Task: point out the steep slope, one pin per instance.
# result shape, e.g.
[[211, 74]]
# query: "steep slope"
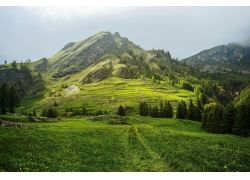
[[75, 57], [233, 56], [21, 80]]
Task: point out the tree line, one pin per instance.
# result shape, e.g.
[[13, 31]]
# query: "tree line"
[[163, 111], [9, 98], [227, 120]]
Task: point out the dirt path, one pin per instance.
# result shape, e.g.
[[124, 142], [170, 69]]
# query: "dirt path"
[[141, 157]]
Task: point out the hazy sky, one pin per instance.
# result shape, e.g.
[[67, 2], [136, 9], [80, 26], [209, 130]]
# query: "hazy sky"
[[36, 32]]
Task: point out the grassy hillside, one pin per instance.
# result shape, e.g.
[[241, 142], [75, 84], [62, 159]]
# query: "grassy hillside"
[[105, 95], [149, 145]]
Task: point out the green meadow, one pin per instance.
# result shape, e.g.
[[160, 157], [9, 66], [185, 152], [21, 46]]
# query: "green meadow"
[[145, 145], [105, 95]]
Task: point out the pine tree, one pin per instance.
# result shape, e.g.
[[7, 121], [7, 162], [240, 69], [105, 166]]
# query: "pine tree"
[[190, 113], [181, 112], [242, 120], [55, 104], [44, 113], [170, 110], [161, 110], [14, 64], [165, 112], [198, 111], [121, 111], [229, 117], [154, 112], [4, 98], [14, 99]]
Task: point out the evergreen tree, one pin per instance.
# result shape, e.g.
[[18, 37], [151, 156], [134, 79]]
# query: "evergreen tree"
[[181, 112], [55, 104], [165, 112], [170, 110], [229, 117], [14, 64], [44, 113], [214, 118], [198, 111], [121, 111], [154, 112], [51, 113], [161, 110], [5, 62], [4, 98], [14, 99], [242, 120], [143, 109], [190, 113]]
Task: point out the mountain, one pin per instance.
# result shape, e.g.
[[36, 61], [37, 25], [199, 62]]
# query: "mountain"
[[107, 70], [100, 56], [76, 56], [233, 56]]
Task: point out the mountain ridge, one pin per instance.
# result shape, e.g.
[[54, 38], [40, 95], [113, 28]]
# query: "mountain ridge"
[[233, 56]]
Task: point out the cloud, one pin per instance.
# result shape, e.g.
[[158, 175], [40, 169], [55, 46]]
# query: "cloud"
[[67, 13]]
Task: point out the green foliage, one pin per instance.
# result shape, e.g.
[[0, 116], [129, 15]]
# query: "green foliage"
[[55, 103], [34, 113], [167, 110], [9, 98], [198, 110], [4, 97], [229, 117], [121, 111], [191, 110], [143, 109], [51, 113], [213, 118], [242, 120], [186, 85], [14, 64], [14, 99], [181, 112]]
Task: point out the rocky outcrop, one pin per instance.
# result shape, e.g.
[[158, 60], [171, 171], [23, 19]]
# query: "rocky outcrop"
[[97, 76], [230, 54], [43, 65], [68, 45], [75, 57], [125, 73], [21, 80], [12, 124]]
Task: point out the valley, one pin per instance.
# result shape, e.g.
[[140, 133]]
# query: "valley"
[[176, 116]]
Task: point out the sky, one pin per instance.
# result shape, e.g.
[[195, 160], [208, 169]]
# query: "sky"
[[34, 32]]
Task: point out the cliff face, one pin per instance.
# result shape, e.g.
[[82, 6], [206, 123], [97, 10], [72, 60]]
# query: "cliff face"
[[236, 54], [76, 56], [21, 80]]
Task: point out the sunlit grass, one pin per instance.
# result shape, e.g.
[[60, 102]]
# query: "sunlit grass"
[[77, 144]]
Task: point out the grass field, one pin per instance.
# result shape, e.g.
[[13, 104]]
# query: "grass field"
[[105, 95], [153, 145]]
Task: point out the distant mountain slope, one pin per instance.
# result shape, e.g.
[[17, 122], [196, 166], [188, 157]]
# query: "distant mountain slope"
[[104, 55], [77, 56], [234, 56]]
